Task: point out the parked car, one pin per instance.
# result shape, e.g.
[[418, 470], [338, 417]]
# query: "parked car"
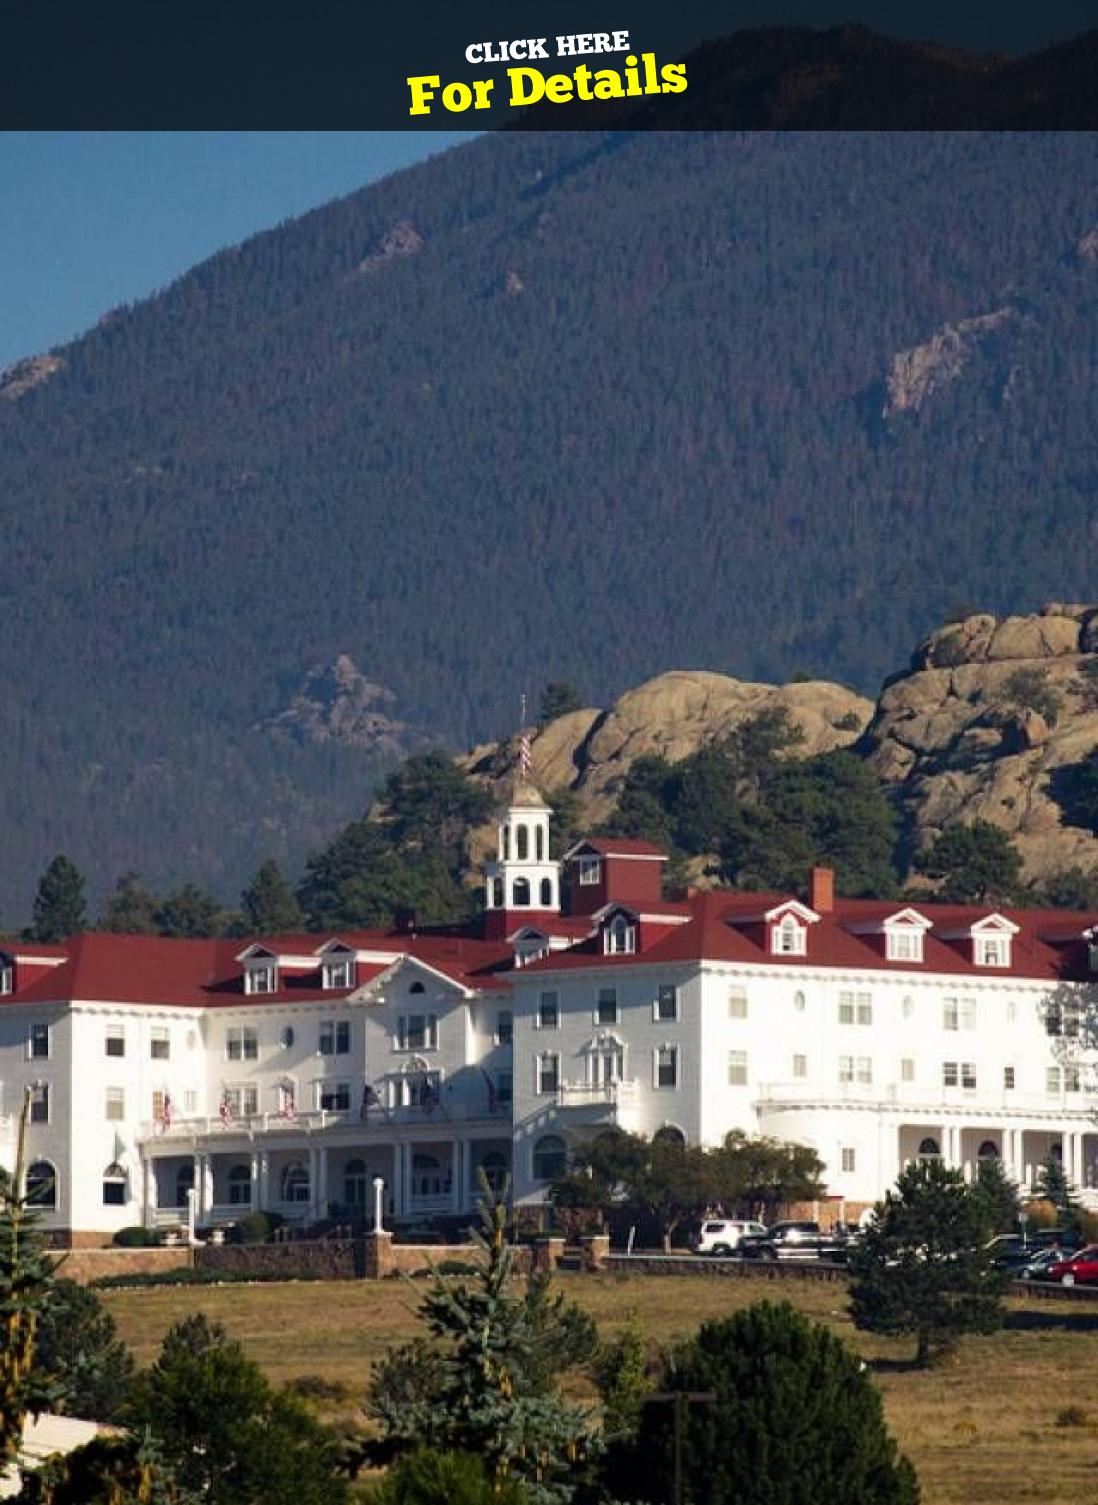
[[795, 1240], [1036, 1266], [1079, 1268], [722, 1236]]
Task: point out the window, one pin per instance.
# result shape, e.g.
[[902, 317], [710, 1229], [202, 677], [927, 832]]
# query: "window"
[[798, 1003], [545, 895], [261, 977], [958, 1013], [416, 1032], [295, 1183], [606, 1006], [520, 893], [589, 870], [846, 1068], [115, 1186], [1072, 1078], [737, 1004], [354, 1183], [605, 1063], [1052, 1079], [420, 1089], [1063, 1019], [847, 1159], [115, 1040], [242, 1043], [855, 1008], [907, 1008], [620, 936], [667, 1003], [505, 1091], [907, 1069], [334, 1097], [856, 1069], [339, 974], [904, 945], [116, 1104], [968, 1075], [522, 843], [992, 951], [240, 1186], [160, 1043], [241, 1101], [40, 1103], [800, 1066], [988, 1150], [950, 1076], [39, 1042], [429, 1179], [548, 1011], [550, 1158], [737, 1068], [160, 1101], [7, 976], [666, 1072], [335, 1037], [929, 1149], [505, 1027], [286, 1036], [184, 1183], [548, 1072], [788, 937], [494, 1167], [41, 1187], [539, 842]]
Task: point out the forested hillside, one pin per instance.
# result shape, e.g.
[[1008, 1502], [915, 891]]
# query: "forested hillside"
[[586, 406]]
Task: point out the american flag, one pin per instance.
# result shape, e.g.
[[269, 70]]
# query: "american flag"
[[224, 1111], [289, 1107], [493, 1095], [166, 1111], [524, 756], [370, 1100], [430, 1096]]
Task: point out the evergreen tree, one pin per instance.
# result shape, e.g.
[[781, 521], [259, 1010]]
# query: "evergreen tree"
[[127, 1469], [757, 1177], [428, 803], [26, 1283], [486, 1390], [269, 905], [1052, 1185], [190, 914], [225, 1433], [922, 1267], [559, 698], [621, 1373], [78, 1347], [1000, 1194], [130, 908], [429, 1477], [976, 864], [362, 879], [60, 907], [794, 1417]]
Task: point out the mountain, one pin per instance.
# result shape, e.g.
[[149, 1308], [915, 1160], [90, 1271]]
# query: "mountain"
[[546, 406]]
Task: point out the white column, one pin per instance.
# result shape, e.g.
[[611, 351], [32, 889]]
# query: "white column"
[[264, 1179], [456, 1167], [208, 1182], [255, 1188], [148, 1168], [199, 1185]]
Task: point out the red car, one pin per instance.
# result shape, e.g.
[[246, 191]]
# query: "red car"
[[1078, 1269]]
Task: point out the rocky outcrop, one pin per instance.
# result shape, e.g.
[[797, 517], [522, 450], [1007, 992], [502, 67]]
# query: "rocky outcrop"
[[1086, 247], [337, 703], [590, 751], [403, 239], [25, 375], [989, 713], [918, 372]]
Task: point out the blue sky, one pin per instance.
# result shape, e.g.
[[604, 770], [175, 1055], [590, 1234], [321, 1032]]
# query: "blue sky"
[[89, 220]]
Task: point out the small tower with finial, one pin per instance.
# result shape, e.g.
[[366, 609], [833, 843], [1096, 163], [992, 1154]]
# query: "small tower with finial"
[[523, 883]]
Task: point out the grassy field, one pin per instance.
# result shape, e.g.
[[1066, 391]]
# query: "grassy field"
[[981, 1430]]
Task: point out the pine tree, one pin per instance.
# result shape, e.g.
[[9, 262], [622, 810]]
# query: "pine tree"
[[922, 1267], [621, 1373], [487, 1391], [1052, 1185], [26, 1282], [559, 698], [269, 904], [1000, 1194], [790, 1416], [60, 907], [190, 914], [130, 908]]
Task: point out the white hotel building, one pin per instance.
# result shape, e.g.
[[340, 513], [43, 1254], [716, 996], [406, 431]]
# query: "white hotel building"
[[285, 1073]]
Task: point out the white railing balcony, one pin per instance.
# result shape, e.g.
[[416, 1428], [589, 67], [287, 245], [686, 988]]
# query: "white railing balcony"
[[928, 1098], [182, 1131]]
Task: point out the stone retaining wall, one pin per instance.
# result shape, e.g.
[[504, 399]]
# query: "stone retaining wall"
[[733, 1269], [90, 1264]]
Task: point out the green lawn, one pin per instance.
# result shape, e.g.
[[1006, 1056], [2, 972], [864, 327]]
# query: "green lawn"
[[981, 1430]]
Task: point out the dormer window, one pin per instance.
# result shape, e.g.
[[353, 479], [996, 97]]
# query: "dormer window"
[[903, 944], [261, 977], [7, 975], [338, 973], [788, 937], [620, 936], [589, 870], [991, 950]]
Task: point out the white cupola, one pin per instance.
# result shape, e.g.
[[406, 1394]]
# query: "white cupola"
[[523, 876]]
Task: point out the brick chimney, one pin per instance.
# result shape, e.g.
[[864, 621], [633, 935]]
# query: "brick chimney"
[[821, 890]]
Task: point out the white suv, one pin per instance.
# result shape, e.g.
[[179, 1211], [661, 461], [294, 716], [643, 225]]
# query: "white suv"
[[719, 1236]]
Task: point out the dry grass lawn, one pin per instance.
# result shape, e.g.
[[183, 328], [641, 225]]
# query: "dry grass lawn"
[[981, 1430]]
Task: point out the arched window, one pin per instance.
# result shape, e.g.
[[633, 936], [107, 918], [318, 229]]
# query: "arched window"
[[989, 1150], [1056, 1152], [497, 893], [798, 1002], [621, 935], [240, 1186], [42, 1184], [494, 1166], [506, 843], [789, 936], [354, 1183], [539, 843], [184, 1182], [295, 1183], [520, 893], [428, 1177], [928, 1149], [669, 1134], [522, 843], [116, 1191], [417, 987], [550, 1158], [546, 893]]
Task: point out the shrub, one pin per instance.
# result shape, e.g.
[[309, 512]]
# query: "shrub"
[[255, 1228], [1073, 1416], [135, 1237], [455, 1267], [428, 1477], [1030, 690], [318, 1388]]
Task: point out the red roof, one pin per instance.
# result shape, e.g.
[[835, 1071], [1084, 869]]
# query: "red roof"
[[620, 846]]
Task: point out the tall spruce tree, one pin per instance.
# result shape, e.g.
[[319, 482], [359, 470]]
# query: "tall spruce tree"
[[60, 905], [130, 908], [269, 905]]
